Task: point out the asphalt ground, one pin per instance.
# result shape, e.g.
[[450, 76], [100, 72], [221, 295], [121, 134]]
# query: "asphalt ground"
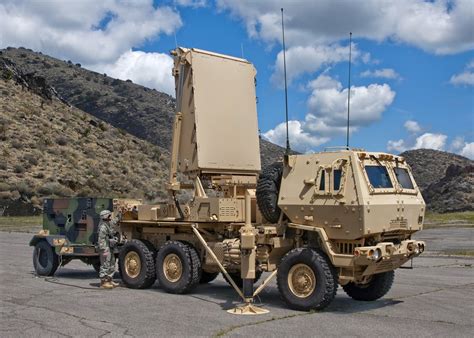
[[435, 298]]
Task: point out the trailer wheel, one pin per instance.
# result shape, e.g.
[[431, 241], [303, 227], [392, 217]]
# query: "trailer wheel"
[[208, 277], [306, 279], [238, 279], [45, 259], [268, 188], [137, 264], [376, 288], [178, 267]]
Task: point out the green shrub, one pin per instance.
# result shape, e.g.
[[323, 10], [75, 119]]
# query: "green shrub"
[[19, 169]]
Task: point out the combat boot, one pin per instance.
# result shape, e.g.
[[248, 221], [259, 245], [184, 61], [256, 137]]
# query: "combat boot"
[[114, 284], [106, 284]]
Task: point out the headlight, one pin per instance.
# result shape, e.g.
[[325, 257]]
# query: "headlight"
[[377, 254]]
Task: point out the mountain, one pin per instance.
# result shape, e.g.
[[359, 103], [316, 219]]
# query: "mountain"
[[142, 112], [66, 130], [51, 149], [446, 180]]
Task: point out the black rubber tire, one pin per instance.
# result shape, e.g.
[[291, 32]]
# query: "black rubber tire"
[[268, 188], [325, 274], [45, 259], [207, 277], [191, 267], [378, 287], [239, 281], [146, 253]]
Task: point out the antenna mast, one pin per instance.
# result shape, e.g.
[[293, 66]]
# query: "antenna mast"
[[349, 89], [287, 152]]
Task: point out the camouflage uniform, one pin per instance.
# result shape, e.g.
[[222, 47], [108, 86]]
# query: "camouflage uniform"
[[107, 257]]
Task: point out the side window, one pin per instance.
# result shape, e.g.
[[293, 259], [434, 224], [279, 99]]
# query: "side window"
[[378, 176], [403, 178], [337, 179], [322, 183]]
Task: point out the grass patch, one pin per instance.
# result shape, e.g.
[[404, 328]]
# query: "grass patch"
[[455, 252], [21, 224], [433, 219]]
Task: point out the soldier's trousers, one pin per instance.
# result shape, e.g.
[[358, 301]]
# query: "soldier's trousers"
[[107, 263]]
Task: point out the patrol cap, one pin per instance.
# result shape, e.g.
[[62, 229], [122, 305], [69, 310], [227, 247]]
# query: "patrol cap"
[[104, 214]]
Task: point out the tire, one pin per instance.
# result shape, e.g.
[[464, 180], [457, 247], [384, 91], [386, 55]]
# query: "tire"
[[319, 278], [376, 288], [239, 281], [45, 259], [137, 264], [178, 267], [207, 277], [268, 188]]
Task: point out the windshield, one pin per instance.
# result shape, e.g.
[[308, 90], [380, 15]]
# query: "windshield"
[[403, 177], [378, 176]]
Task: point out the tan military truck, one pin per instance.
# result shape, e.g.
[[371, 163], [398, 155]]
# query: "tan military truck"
[[315, 221]]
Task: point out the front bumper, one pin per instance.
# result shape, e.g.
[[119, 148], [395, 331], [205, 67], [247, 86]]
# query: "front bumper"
[[386, 256]]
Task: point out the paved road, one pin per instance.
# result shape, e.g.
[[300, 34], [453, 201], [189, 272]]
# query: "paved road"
[[436, 298]]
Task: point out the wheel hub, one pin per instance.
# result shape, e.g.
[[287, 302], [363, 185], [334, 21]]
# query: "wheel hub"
[[172, 268], [132, 264], [301, 280]]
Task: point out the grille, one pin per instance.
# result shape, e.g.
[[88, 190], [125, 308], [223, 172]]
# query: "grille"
[[347, 248]]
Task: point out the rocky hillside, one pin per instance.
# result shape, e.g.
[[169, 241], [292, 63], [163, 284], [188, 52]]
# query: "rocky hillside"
[[142, 112], [446, 180], [66, 131], [51, 149]]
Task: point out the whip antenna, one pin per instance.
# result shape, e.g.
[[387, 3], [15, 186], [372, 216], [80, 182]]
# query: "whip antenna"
[[287, 152], [349, 89]]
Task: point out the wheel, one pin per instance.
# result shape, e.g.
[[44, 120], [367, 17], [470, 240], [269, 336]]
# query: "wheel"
[[45, 259], [207, 277], [377, 287], [268, 187], [239, 281], [178, 267], [306, 279], [137, 264], [96, 265]]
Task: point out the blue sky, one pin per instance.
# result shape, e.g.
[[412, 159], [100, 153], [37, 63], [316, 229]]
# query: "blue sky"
[[412, 75]]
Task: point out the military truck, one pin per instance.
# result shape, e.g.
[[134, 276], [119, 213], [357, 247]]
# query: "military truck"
[[69, 232], [315, 221]]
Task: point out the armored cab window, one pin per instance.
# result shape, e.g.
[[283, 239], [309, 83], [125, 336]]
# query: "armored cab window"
[[403, 178], [337, 173], [378, 176], [322, 185]]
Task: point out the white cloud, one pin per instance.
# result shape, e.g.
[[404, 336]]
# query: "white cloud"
[[99, 34], [412, 126], [327, 113], [430, 141], [466, 77], [309, 59], [328, 105], [191, 3], [136, 66], [468, 150], [441, 27], [299, 139], [397, 146], [386, 73]]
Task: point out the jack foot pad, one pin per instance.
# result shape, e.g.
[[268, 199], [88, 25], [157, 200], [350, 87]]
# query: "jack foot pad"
[[247, 310]]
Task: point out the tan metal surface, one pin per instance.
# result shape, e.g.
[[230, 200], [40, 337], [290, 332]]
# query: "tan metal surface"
[[132, 264], [301, 280], [172, 268], [219, 128]]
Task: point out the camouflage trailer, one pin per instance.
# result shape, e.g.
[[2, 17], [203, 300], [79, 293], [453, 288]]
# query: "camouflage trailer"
[[69, 232]]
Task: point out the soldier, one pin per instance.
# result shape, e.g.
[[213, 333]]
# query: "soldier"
[[107, 241]]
